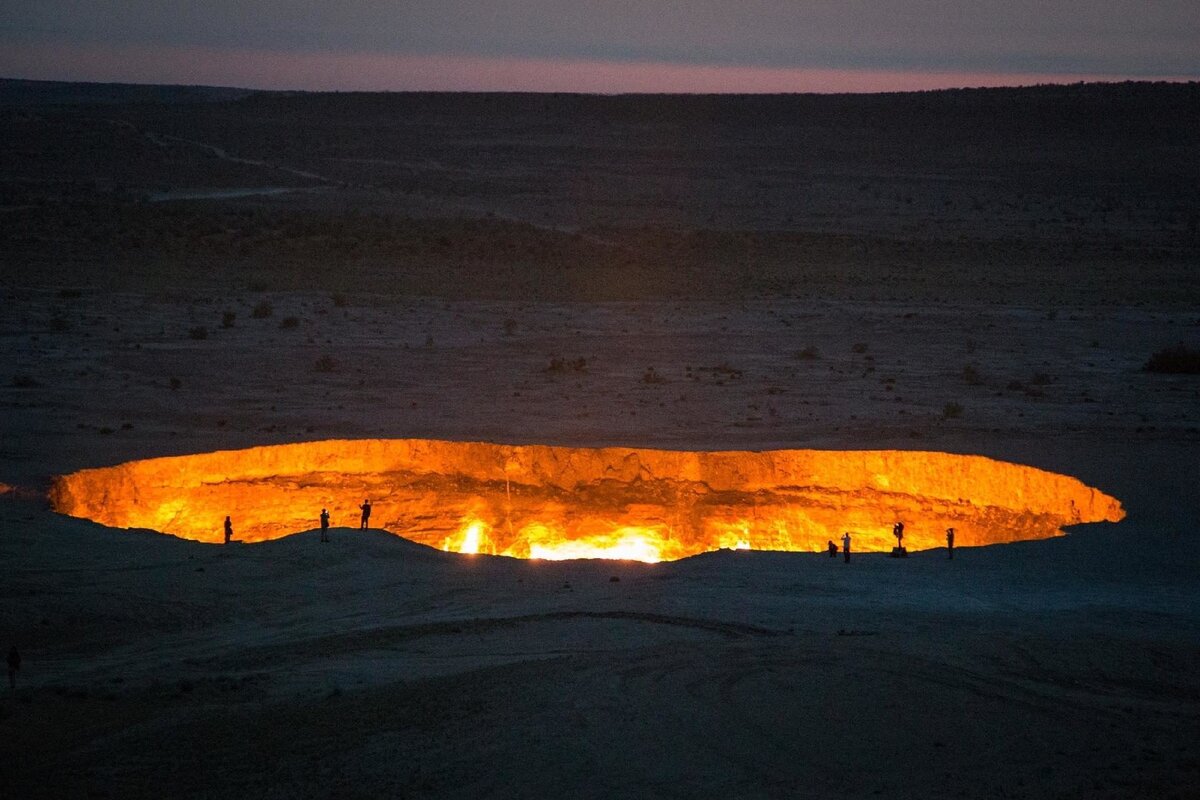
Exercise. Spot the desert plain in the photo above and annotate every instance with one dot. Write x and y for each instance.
(974, 272)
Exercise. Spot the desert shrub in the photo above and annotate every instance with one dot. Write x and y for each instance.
(263, 310)
(199, 332)
(808, 354)
(1177, 360)
(325, 364)
(562, 365)
(971, 375)
(859, 347)
(723, 370)
(1040, 379)
(289, 322)
(651, 376)
(952, 411)
(24, 382)
(175, 383)
(339, 300)
(510, 327)
(70, 294)
(227, 319)
(59, 325)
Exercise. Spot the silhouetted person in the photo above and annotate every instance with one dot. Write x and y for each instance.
(366, 514)
(898, 532)
(324, 525)
(14, 666)
(846, 546)
(832, 549)
(228, 529)
(950, 542)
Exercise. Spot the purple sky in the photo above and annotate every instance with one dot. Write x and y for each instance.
(600, 45)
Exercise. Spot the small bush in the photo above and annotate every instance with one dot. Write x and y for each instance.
(651, 376)
(175, 383)
(325, 364)
(952, 411)
(808, 354)
(510, 327)
(199, 332)
(263, 310)
(59, 325)
(859, 347)
(1177, 360)
(24, 382)
(289, 322)
(227, 319)
(562, 365)
(971, 376)
(339, 300)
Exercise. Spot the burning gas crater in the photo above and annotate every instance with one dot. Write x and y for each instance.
(565, 502)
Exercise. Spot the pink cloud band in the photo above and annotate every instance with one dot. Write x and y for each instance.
(264, 69)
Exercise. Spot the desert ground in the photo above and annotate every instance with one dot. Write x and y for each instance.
(187, 270)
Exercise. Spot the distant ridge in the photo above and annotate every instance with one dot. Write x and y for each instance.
(20, 92)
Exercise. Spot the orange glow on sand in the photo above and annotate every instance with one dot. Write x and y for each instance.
(556, 503)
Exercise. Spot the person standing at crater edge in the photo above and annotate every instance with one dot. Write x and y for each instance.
(950, 543)
(228, 529)
(898, 532)
(846, 546)
(366, 514)
(324, 525)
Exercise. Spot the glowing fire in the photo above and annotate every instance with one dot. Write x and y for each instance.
(558, 503)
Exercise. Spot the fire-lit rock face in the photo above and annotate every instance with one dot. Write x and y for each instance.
(569, 502)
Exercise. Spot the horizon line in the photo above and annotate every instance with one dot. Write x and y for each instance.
(266, 70)
(150, 84)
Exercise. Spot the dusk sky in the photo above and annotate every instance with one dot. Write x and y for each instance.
(600, 45)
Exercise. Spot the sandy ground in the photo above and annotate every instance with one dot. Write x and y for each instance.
(369, 666)
(372, 666)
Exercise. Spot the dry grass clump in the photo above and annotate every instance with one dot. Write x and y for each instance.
(263, 310)
(807, 354)
(563, 365)
(651, 376)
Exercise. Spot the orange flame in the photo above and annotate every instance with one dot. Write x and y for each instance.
(558, 502)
